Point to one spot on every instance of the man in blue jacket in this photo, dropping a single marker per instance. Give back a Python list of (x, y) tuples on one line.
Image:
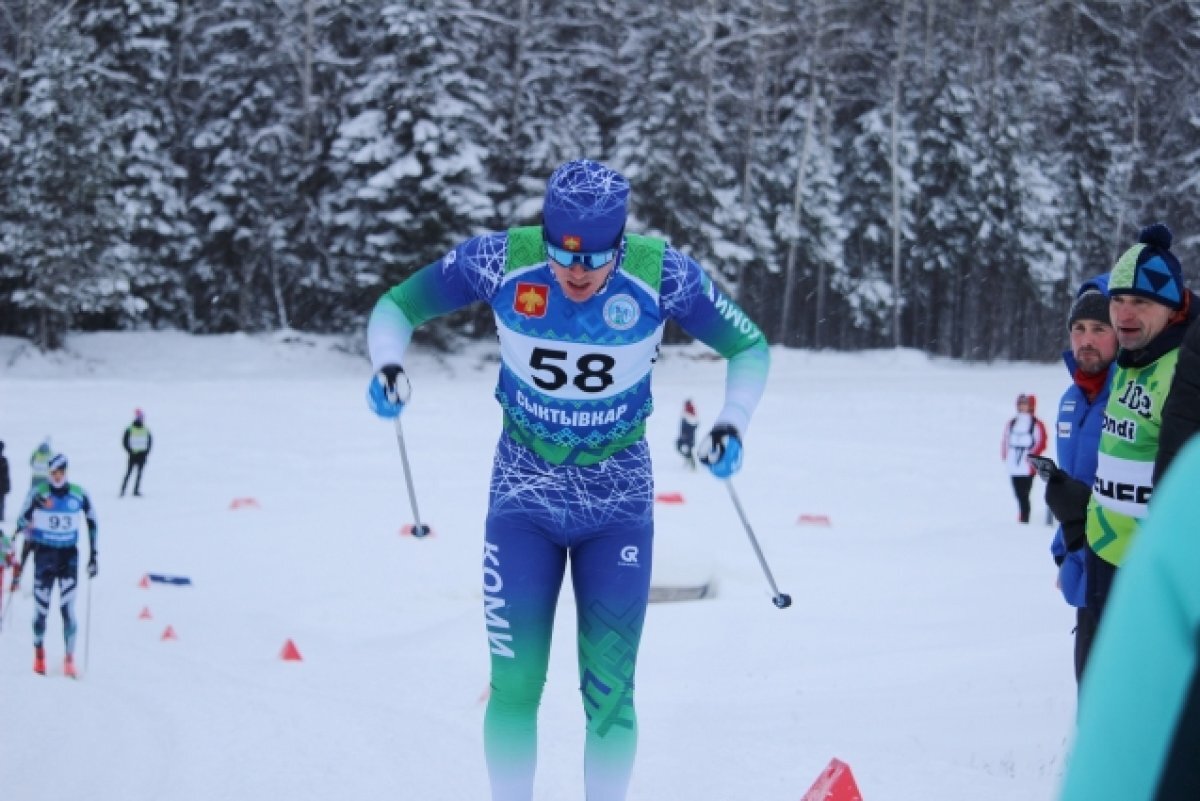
[(1080, 420)]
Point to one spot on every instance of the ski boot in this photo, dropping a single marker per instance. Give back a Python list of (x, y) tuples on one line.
[(69, 667), (39, 660)]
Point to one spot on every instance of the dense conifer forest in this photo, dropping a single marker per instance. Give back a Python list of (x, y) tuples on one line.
[(934, 174)]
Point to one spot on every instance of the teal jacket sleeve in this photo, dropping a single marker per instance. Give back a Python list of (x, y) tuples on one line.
[(695, 301), (469, 272), (1139, 715)]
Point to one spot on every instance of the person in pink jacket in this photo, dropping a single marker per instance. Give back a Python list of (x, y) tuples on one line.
[(1024, 436)]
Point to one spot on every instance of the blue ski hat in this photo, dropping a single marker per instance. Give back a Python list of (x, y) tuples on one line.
[(585, 207), (1149, 269), (58, 462)]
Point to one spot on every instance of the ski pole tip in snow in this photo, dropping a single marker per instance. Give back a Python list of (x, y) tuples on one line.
[(781, 599), (418, 529)]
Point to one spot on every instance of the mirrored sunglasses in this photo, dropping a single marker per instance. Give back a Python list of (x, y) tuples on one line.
[(589, 261)]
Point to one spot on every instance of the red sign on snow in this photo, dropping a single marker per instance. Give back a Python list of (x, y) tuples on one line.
[(836, 783)]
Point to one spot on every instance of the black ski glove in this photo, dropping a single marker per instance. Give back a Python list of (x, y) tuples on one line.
[(721, 450), (1068, 499), (388, 391)]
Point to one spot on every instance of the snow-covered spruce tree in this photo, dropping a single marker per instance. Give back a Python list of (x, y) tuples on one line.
[(409, 155), (136, 50), (60, 220)]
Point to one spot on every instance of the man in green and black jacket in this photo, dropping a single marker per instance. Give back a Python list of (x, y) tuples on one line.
[(1150, 310)]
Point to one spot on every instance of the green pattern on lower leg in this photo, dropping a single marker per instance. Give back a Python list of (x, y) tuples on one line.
[(607, 683), (608, 643)]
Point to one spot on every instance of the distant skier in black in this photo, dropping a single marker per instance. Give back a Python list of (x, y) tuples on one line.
[(137, 441), (686, 444), (5, 483)]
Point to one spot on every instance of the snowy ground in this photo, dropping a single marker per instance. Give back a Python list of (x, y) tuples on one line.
[(927, 647)]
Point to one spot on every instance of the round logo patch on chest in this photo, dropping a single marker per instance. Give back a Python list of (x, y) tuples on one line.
[(621, 312)]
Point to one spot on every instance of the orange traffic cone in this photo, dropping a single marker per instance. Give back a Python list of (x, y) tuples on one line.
[(145, 613), (836, 783), (290, 652), (169, 634)]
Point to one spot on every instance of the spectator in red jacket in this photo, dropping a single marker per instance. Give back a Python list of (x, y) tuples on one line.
[(686, 442), (1023, 436)]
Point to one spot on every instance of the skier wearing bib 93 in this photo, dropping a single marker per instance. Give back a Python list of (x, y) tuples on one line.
[(51, 520), (580, 307)]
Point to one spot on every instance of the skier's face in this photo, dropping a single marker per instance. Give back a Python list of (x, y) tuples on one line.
[(579, 283), (1137, 320), (58, 477), (1094, 345)]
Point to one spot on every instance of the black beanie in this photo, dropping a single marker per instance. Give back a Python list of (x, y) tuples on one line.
[(1091, 305)]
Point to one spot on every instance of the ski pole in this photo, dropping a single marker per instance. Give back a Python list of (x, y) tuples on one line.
[(87, 628), (781, 599), (12, 592), (12, 597), (418, 529)]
